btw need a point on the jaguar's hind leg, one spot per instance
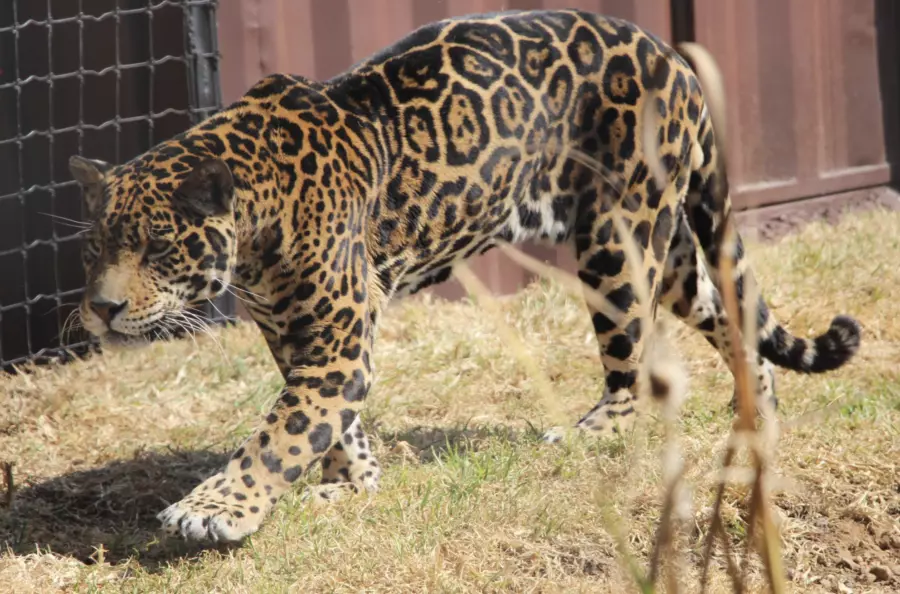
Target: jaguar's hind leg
(604, 269)
(349, 467)
(689, 293)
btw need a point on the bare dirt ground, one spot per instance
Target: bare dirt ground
(471, 500)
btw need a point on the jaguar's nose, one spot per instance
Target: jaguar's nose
(107, 310)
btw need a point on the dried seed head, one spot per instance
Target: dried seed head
(659, 387)
(665, 372)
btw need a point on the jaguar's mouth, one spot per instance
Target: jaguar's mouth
(175, 325)
(118, 339)
(121, 340)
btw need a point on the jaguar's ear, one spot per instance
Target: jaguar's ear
(208, 190)
(89, 174)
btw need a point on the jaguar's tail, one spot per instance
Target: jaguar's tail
(709, 211)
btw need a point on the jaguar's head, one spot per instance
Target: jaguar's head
(162, 240)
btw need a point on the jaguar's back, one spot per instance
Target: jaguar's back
(484, 111)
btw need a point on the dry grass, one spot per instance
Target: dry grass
(475, 503)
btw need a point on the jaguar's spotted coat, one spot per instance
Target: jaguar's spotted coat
(324, 200)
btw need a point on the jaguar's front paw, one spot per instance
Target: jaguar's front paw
(218, 510)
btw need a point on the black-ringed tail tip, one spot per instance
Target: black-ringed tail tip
(823, 353)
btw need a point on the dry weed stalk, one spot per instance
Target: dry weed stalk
(668, 386)
(745, 429)
(567, 280)
(744, 373)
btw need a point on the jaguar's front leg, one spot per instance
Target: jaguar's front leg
(321, 402)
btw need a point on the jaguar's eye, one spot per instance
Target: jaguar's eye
(156, 249)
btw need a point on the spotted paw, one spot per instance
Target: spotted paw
(609, 418)
(329, 493)
(554, 435)
(214, 512)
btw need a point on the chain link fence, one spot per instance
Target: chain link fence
(106, 79)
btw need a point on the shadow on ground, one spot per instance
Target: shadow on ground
(115, 505)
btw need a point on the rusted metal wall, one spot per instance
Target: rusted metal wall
(804, 104)
(804, 98)
(321, 38)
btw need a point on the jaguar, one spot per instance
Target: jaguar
(322, 201)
